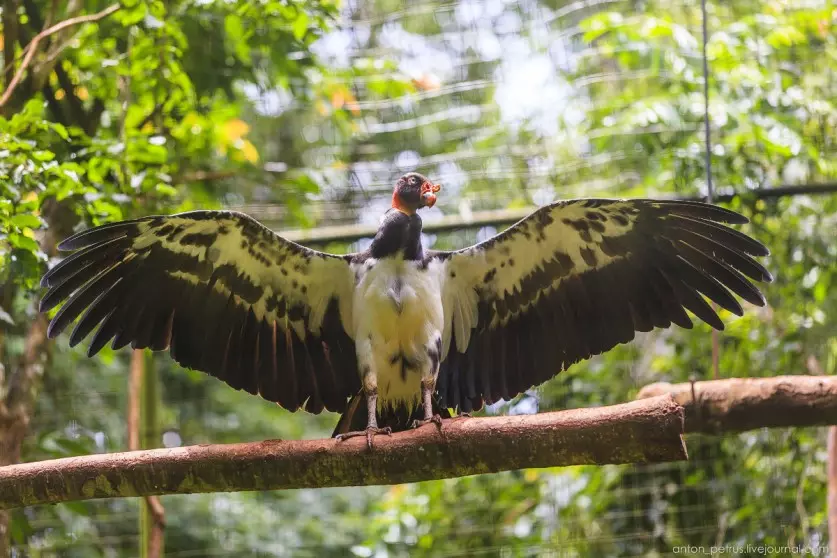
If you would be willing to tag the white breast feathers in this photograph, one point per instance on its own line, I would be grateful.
(397, 323)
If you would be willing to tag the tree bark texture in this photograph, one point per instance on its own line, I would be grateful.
(739, 404)
(642, 431)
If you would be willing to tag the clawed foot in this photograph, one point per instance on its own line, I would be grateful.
(370, 432)
(436, 419)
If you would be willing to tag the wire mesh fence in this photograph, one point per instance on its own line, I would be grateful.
(507, 104)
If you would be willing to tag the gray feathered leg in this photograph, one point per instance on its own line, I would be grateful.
(427, 388)
(372, 429)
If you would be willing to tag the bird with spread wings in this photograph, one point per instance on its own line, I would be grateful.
(412, 333)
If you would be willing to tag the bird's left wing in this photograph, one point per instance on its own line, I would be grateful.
(576, 278)
(227, 295)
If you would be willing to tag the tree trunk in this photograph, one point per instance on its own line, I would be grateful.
(143, 399)
(19, 384)
(16, 409)
(9, 35)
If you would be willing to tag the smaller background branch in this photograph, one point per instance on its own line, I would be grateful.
(739, 404)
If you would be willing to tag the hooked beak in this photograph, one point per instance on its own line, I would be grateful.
(428, 193)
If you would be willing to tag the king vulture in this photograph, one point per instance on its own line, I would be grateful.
(410, 332)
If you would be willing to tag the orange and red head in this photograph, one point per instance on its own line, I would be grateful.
(412, 192)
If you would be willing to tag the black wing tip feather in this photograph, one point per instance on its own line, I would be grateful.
(69, 243)
(716, 218)
(705, 210)
(54, 328)
(92, 235)
(76, 241)
(51, 333)
(42, 305)
(755, 247)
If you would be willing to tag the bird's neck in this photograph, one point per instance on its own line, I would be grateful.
(399, 233)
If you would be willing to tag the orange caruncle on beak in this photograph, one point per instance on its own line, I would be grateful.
(428, 193)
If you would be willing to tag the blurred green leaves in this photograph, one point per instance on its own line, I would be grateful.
(141, 118)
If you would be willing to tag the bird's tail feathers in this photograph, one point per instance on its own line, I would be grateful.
(350, 418)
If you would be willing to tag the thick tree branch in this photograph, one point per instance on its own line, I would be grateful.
(739, 404)
(640, 431)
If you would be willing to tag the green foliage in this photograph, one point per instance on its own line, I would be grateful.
(29, 172)
(773, 116)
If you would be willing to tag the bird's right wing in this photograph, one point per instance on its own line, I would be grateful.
(227, 295)
(576, 278)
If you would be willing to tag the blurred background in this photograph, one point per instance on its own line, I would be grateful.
(302, 114)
